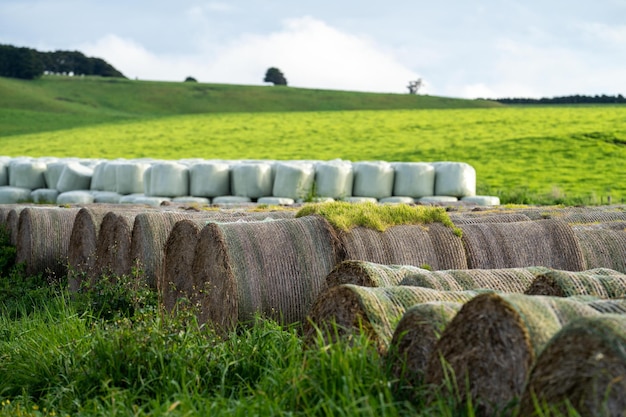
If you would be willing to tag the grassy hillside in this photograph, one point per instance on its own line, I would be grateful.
(55, 102)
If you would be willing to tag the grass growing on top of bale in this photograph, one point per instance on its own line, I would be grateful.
(344, 216)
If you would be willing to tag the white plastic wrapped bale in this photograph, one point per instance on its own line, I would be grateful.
(104, 176)
(14, 195)
(276, 201)
(397, 200)
(130, 198)
(293, 180)
(413, 179)
(147, 179)
(482, 200)
(192, 199)
(129, 177)
(231, 199)
(437, 199)
(150, 200)
(44, 195)
(334, 179)
(4, 172)
(252, 180)
(75, 197)
(360, 200)
(97, 179)
(75, 176)
(316, 200)
(456, 179)
(53, 173)
(108, 197)
(209, 179)
(27, 174)
(373, 179)
(169, 179)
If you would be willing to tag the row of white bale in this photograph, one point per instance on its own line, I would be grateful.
(84, 181)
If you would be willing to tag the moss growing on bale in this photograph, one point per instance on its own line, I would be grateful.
(345, 216)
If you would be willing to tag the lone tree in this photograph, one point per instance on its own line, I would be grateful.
(414, 86)
(275, 76)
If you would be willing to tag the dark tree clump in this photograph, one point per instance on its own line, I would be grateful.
(275, 76)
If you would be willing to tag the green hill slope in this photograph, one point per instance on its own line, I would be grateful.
(55, 102)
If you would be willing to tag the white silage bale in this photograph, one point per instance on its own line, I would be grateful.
(437, 199)
(110, 176)
(27, 174)
(231, 199)
(360, 200)
(334, 179)
(169, 179)
(276, 201)
(75, 197)
(455, 179)
(150, 200)
(147, 179)
(14, 195)
(293, 180)
(97, 179)
(75, 176)
(397, 200)
(252, 180)
(192, 199)
(482, 200)
(209, 179)
(413, 179)
(4, 172)
(44, 195)
(129, 177)
(373, 179)
(108, 197)
(53, 173)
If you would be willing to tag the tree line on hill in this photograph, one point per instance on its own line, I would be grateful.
(575, 99)
(28, 63)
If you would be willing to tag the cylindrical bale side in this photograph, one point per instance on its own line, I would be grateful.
(275, 268)
(602, 248)
(369, 274)
(549, 243)
(583, 365)
(348, 309)
(472, 218)
(597, 283)
(113, 247)
(433, 245)
(514, 280)
(43, 240)
(12, 223)
(491, 344)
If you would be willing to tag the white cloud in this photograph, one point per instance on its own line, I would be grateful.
(308, 51)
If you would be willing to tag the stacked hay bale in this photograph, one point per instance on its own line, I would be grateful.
(549, 243)
(113, 246)
(492, 343)
(600, 282)
(347, 309)
(369, 274)
(602, 247)
(582, 367)
(488, 217)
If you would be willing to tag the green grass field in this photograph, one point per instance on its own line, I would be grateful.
(566, 153)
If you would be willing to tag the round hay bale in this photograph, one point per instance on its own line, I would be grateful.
(482, 200)
(414, 339)
(602, 248)
(456, 179)
(434, 245)
(414, 179)
(373, 179)
(276, 201)
(53, 173)
(609, 306)
(106, 197)
(43, 239)
(113, 246)
(514, 280)
(549, 243)
(334, 179)
(75, 197)
(437, 199)
(4, 172)
(348, 309)
(601, 283)
(275, 268)
(12, 223)
(593, 216)
(14, 195)
(194, 200)
(492, 342)
(369, 274)
(231, 200)
(472, 218)
(582, 367)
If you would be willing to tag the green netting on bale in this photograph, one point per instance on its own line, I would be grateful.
(369, 274)
(502, 279)
(583, 366)
(491, 217)
(601, 283)
(376, 311)
(492, 342)
(602, 248)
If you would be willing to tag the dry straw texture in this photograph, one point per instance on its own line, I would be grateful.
(275, 268)
(549, 243)
(583, 365)
(492, 342)
(504, 279)
(369, 274)
(347, 309)
(602, 248)
(414, 339)
(12, 223)
(434, 245)
(601, 283)
(113, 246)
(43, 239)
(487, 217)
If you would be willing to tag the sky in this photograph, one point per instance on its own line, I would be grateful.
(458, 48)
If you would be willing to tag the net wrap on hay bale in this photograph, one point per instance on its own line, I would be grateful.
(43, 239)
(478, 217)
(584, 364)
(492, 342)
(434, 245)
(602, 248)
(113, 246)
(503, 279)
(549, 243)
(274, 267)
(374, 310)
(369, 274)
(600, 282)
